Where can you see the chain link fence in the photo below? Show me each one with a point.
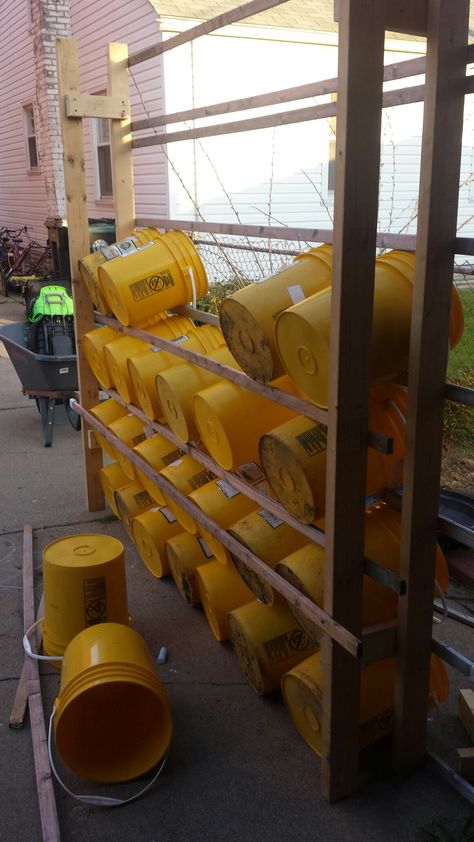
(234, 261)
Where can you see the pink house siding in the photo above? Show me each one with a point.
(136, 25)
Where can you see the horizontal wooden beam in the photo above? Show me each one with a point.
(211, 25)
(106, 107)
(337, 632)
(409, 16)
(379, 641)
(454, 658)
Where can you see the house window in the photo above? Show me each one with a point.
(103, 167)
(31, 137)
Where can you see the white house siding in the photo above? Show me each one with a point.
(280, 175)
(24, 199)
(94, 26)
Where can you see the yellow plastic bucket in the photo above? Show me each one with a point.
(248, 316)
(221, 590)
(84, 584)
(157, 452)
(159, 277)
(118, 352)
(186, 475)
(106, 412)
(144, 368)
(230, 420)
(269, 538)
(131, 431)
(293, 455)
(112, 718)
(304, 569)
(151, 531)
(176, 388)
(224, 505)
(267, 643)
(302, 332)
(94, 343)
(112, 479)
(89, 265)
(132, 500)
(185, 553)
(302, 689)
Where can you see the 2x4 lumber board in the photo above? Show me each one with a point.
(466, 763)
(408, 16)
(373, 569)
(211, 25)
(348, 641)
(359, 114)
(438, 200)
(120, 141)
(20, 702)
(466, 711)
(44, 783)
(397, 70)
(84, 105)
(455, 659)
(463, 787)
(79, 245)
(377, 440)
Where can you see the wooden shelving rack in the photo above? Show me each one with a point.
(360, 99)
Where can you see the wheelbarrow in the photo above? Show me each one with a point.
(48, 379)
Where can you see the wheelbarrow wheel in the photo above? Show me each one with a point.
(73, 417)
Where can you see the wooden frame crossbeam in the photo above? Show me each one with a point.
(83, 105)
(408, 16)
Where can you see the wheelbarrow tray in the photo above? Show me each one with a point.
(38, 372)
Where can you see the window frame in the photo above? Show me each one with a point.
(29, 112)
(98, 143)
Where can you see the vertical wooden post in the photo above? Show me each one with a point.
(359, 104)
(121, 142)
(78, 234)
(440, 165)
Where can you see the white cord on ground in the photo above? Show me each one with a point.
(29, 651)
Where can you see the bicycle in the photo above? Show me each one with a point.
(13, 257)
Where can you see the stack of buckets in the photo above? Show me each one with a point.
(277, 332)
(112, 718)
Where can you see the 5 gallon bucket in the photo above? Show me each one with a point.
(293, 456)
(269, 538)
(302, 332)
(112, 479)
(118, 352)
(112, 718)
(130, 431)
(89, 265)
(94, 343)
(304, 569)
(185, 553)
(224, 505)
(144, 368)
(248, 316)
(231, 420)
(84, 584)
(162, 276)
(303, 690)
(267, 643)
(186, 475)
(132, 500)
(176, 388)
(151, 531)
(106, 412)
(157, 452)
(221, 590)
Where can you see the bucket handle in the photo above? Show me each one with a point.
(28, 649)
(97, 800)
(193, 287)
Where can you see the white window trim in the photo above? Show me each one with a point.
(95, 159)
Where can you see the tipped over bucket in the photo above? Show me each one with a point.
(84, 584)
(112, 718)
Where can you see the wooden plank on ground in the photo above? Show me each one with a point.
(361, 45)
(438, 199)
(466, 711)
(78, 233)
(466, 763)
(20, 702)
(120, 141)
(44, 783)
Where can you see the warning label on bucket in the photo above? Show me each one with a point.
(95, 601)
(284, 647)
(314, 440)
(151, 286)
